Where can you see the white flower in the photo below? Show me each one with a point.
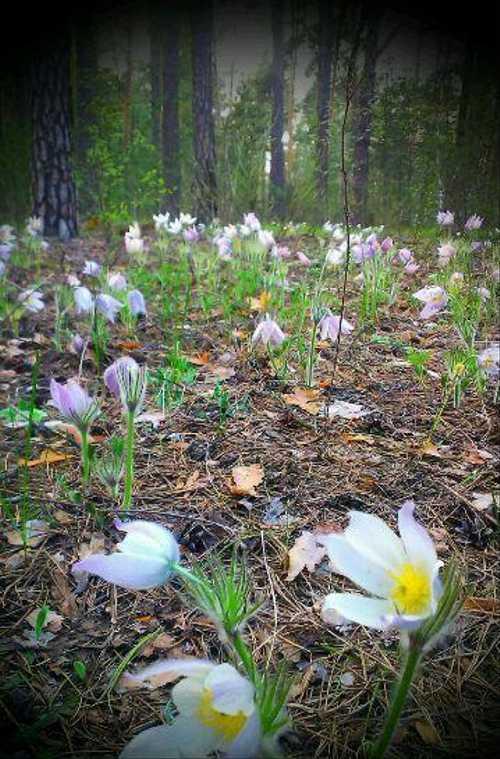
(117, 281)
(334, 257)
(401, 572)
(136, 303)
(161, 221)
(31, 300)
(266, 239)
(84, 301)
(7, 235)
(175, 227)
(143, 560)
(216, 708)
(245, 230)
(231, 231)
(445, 218)
(34, 226)
(251, 221)
(187, 220)
(91, 269)
(489, 360)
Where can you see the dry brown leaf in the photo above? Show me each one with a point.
(53, 621)
(128, 345)
(246, 479)
(55, 425)
(305, 398)
(484, 605)
(191, 483)
(427, 732)
(47, 456)
(62, 516)
(162, 642)
(35, 531)
(429, 449)
(220, 372)
(95, 545)
(305, 552)
(199, 359)
(261, 303)
(63, 596)
(478, 456)
(357, 437)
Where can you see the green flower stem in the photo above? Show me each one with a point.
(398, 700)
(185, 573)
(85, 455)
(245, 655)
(310, 358)
(129, 461)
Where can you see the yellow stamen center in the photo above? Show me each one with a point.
(226, 725)
(412, 589)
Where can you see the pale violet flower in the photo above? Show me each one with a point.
(128, 382)
(136, 303)
(473, 222)
(338, 234)
(2, 268)
(31, 300)
(108, 306)
(191, 234)
(400, 573)
(489, 360)
(268, 332)
(387, 244)
(91, 269)
(7, 235)
(435, 300)
(405, 255)
(303, 259)
(142, 560)
(266, 239)
(74, 403)
(76, 344)
(445, 253)
(6, 249)
(216, 713)
(251, 221)
(329, 325)
(483, 293)
(72, 280)
(335, 257)
(411, 267)
(224, 247)
(117, 281)
(231, 231)
(445, 218)
(282, 252)
(84, 300)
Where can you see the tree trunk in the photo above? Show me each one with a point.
(52, 177)
(203, 118)
(155, 66)
(364, 114)
(277, 173)
(86, 65)
(171, 135)
(457, 190)
(325, 65)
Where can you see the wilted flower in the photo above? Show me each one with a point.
(31, 300)
(143, 560)
(74, 403)
(191, 234)
(473, 222)
(266, 239)
(84, 300)
(268, 332)
(489, 360)
(304, 260)
(251, 221)
(34, 226)
(329, 326)
(91, 269)
(136, 303)
(217, 713)
(127, 381)
(117, 281)
(401, 572)
(445, 218)
(72, 280)
(161, 221)
(435, 300)
(108, 306)
(445, 252)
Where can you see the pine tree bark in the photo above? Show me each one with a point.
(277, 172)
(364, 115)
(156, 74)
(171, 134)
(203, 118)
(53, 187)
(325, 72)
(86, 65)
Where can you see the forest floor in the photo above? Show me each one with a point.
(315, 470)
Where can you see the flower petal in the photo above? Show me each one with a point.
(371, 612)
(356, 566)
(175, 668)
(183, 738)
(418, 544)
(370, 535)
(125, 570)
(248, 742)
(147, 538)
(232, 692)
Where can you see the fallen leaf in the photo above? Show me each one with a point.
(199, 359)
(162, 642)
(261, 303)
(220, 372)
(478, 456)
(154, 417)
(246, 479)
(429, 449)
(305, 398)
(128, 345)
(482, 501)
(95, 545)
(191, 483)
(345, 410)
(357, 437)
(69, 429)
(63, 596)
(14, 561)
(47, 456)
(484, 605)
(347, 679)
(53, 621)
(35, 531)
(305, 553)
(427, 732)
(63, 517)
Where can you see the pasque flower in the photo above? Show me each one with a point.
(266, 239)
(108, 306)
(144, 559)
(72, 280)
(127, 381)
(31, 300)
(84, 300)
(133, 240)
(74, 403)
(489, 360)
(329, 326)
(445, 253)
(136, 303)
(251, 221)
(161, 221)
(217, 713)
(191, 234)
(473, 222)
(268, 332)
(34, 226)
(91, 269)
(335, 257)
(303, 259)
(435, 300)
(445, 218)
(117, 281)
(400, 573)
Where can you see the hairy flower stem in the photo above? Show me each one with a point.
(129, 462)
(398, 700)
(310, 358)
(85, 455)
(244, 654)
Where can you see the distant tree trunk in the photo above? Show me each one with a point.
(364, 115)
(277, 173)
(325, 65)
(86, 65)
(203, 118)
(155, 66)
(496, 163)
(128, 86)
(52, 178)
(171, 136)
(457, 185)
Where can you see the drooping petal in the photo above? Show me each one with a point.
(174, 668)
(188, 693)
(125, 570)
(371, 612)
(248, 743)
(418, 544)
(149, 533)
(182, 739)
(370, 535)
(231, 691)
(356, 566)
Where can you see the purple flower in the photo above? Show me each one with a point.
(6, 249)
(405, 255)
(435, 300)
(77, 344)
(72, 280)
(127, 381)
(31, 300)
(84, 301)
(125, 363)
(91, 269)
(411, 267)
(136, 303)
(363, 252)
(108, 306)
(445, 218)
(473, 222)
(329, 326)
(191, 234)
(74, 403)
(489, 360)
(281, 251)
(268, 332)
(251, 221)
(387, 244)
(117, 281)
(266, 239)
(304, 260)
(225, 248)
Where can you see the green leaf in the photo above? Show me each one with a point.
(41, 619)
(80, 670)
